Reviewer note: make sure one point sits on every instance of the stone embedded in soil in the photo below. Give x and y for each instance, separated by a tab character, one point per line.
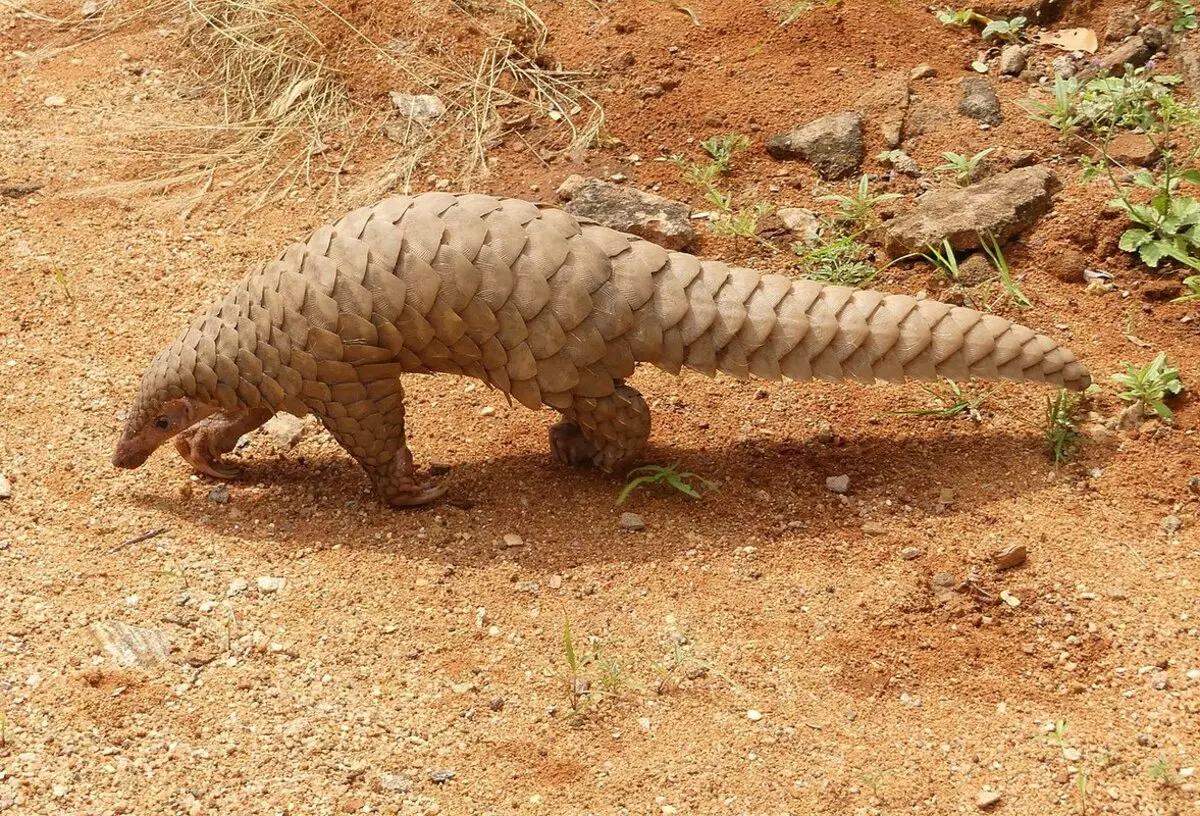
1185	51
422	108
1122	22
1171	525
632	522
802	223
268	583
987	799
5	487
18	190
1133	149
832	144
884	105
513	540
922	71
754	715
1013	59
131	645
902	163
1068	265
975	269
55	101
219	494
924	117
1135	52
1001	206
441	777
625	209
910	553
979	101
284	431
1010	557
236	587
1036	11
1064	66
838	484
1193	484
943	584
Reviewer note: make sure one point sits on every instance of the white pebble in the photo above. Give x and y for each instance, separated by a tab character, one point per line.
754	715
269	583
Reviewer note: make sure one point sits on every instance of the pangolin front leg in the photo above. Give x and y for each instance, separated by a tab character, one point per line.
203	444
608	432
371	430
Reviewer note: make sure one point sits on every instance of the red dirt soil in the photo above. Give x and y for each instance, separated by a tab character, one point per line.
810	667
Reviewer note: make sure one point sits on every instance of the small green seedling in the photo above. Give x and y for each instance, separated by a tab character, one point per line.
1185	14
1061	433
657	474
1006	30
1015	296
1061	114
959	17
1192	284
1150	385
840	261
858	208
952	401
963	167
1059	735
944	260
722	149
1160	771
742	223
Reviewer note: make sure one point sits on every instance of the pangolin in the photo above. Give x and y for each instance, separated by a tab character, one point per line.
548	308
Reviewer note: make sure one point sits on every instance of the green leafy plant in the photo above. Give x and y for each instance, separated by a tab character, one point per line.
1061	433
1192	284
1058	736
1005	30
1015	296
740	223
1169	225
609	676
1061	113
1184	11
1161	771
951	401
722	149
1133	100
959	17
963	167
840	261
1150	385
858	208
657	474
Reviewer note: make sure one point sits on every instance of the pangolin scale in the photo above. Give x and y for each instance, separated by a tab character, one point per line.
548	308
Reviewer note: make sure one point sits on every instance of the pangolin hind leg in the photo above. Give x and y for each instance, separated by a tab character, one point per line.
203	444
369	424
608	432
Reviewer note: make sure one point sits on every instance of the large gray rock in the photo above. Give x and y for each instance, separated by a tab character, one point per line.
625	209
979	101
1136	51
832	144
1002	206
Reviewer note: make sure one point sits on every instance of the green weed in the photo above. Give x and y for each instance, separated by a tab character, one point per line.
841	261
1061	113
944	260
1192	284
858	208
1160	771
1015	296
1150	385
1061	433
1169	225
1185	14
1005	30
951	401
657	474
1058	736
959	17
963	167
798	8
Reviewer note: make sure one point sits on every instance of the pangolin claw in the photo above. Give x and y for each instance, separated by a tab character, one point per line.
194	453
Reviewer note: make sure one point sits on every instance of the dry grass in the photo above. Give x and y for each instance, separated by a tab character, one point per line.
281	102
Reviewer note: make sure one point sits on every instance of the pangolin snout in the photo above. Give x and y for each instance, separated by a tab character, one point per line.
127	457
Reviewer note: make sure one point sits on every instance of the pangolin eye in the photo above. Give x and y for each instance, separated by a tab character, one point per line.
162	422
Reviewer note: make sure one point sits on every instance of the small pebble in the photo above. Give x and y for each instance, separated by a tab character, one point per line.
496	703
874	528
441	777
838	484
487	410
5	487
1193	675
513	540
1193	484
555	582
1159	681
1009	557
55	101
236	587
987	799
632	522
754	715
1072	754
910	553
219	494
1171	525
268	583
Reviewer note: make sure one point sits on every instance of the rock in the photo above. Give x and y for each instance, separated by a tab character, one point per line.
922	71
1193	485
632	522
513	540
1067	264
441	777
1064	66
496	703
626	209
1072	754
236	587
975	269
89	9
1014	555
55	101
923	117
902	163
910	553
979	101
943	584
423	109
527	587
1171	525
1160	681
5	487
18	190
394	782
832	144
219	494
1012	157
1013	59
268	584
1036	11
987	799
1134	52
802	223
649	91
1193	675
1134	149
838	484
131	645
1122	23
874	528
1185	51
754	715
885	103
284	431
1002	206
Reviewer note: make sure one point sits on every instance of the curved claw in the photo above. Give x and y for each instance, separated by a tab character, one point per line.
570	446
196	453
415	495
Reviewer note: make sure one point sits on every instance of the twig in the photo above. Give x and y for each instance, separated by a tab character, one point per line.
140	539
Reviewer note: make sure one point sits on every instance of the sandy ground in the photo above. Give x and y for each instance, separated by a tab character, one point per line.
773	648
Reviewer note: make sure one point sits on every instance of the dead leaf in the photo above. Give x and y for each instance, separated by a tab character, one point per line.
1069	39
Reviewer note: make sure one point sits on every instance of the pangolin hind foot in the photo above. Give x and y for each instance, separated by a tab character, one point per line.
547	308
